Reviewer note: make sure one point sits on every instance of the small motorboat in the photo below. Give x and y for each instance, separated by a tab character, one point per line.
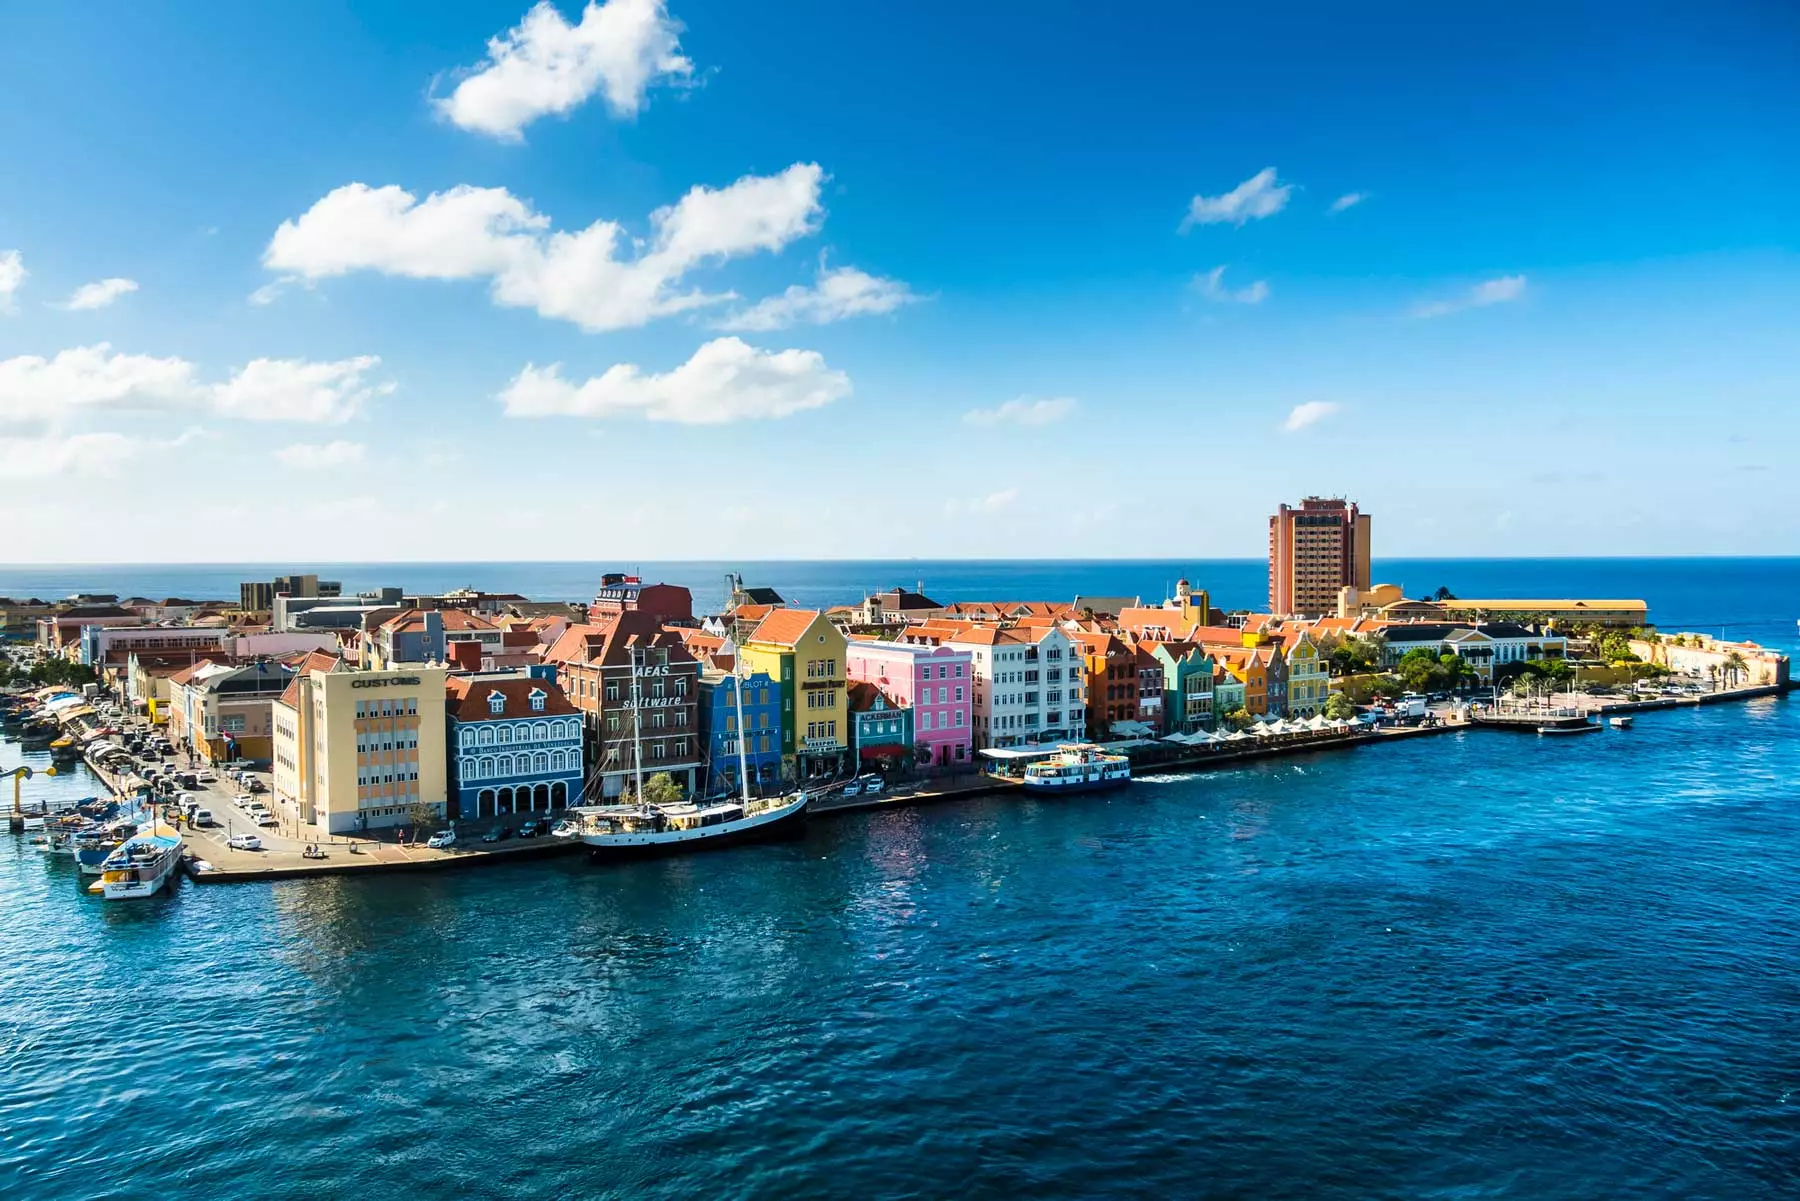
1619	723
1582	727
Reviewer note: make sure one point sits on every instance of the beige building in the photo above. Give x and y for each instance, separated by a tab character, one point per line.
357	750
1315	550
1727	664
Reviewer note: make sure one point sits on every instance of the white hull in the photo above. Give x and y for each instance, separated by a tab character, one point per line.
650	842
129	877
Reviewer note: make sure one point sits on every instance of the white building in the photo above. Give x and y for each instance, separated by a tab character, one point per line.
1027	684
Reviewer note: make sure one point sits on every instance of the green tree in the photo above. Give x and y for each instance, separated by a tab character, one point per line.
1443	594
661	789
1237	719
1339	707
1735	668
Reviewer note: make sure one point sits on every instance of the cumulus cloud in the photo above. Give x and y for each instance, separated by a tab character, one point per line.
321	456
99	294
1262	195
1493	291
488	233
53	455
726	380
1023	412
545	66
1348	200
87	378
1211	285
1308	414
839	293
12	278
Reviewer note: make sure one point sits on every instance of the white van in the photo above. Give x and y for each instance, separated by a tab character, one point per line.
202	817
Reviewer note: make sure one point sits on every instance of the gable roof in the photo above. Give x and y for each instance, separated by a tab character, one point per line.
469	698
784	627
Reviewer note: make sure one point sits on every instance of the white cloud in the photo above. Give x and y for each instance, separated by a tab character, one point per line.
321	456
840	293
270	292
1310	413
99	294
1493	291
1348	200
1212	286
54	455
487	233
12	278
725	380
298	390
1259	196
36	389
546	65
1023	412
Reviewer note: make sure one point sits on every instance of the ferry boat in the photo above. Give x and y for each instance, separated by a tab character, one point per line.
139	866
94	847
1078	769
642	830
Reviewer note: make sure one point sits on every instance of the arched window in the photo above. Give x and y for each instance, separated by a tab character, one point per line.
505	733
485	770
484	804
504	764
486	736
506	801
567	729
540	796
468	738
540	763
541	731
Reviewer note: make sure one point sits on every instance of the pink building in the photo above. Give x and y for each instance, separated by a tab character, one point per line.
934	681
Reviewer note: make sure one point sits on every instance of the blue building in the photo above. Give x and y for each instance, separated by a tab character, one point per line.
719	731
514	745
881	728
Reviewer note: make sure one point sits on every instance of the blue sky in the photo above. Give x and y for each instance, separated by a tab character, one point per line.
952	287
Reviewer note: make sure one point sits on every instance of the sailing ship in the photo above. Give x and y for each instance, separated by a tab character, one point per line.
643	830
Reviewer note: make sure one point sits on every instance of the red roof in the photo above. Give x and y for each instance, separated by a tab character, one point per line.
784	627
470	698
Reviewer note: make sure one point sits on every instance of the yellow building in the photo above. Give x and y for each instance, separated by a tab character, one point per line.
358	750
1309	676
805	653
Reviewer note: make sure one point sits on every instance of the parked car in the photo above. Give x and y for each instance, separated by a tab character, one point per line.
244	842
265	818
498	835
530	828
871	784
442	839
255	785
853	788
206	777
242	798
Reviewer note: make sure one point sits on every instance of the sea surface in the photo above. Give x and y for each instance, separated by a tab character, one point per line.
1479	965
1746	598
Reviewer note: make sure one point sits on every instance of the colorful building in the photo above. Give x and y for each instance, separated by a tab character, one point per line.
1187	684
806	656
1308	675
1228	693
881	728
760	731
220	712
359	750
935	683
1028	682
515	745
639	689
1113	683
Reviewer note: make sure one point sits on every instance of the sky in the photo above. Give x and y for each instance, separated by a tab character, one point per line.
643	281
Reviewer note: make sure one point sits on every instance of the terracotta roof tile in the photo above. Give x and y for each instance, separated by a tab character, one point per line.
784	627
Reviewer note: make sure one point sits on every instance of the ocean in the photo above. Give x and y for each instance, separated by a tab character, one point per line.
1482	964
1746	598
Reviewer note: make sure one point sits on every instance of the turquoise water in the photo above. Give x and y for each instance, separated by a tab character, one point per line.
1479	965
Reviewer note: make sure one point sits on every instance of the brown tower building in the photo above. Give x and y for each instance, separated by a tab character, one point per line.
1314	550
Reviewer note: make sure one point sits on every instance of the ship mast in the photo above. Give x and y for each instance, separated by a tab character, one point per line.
637	741
737	691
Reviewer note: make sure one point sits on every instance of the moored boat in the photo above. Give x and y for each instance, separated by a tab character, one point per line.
1580	727
632	831
1619	723
139	866
1077	769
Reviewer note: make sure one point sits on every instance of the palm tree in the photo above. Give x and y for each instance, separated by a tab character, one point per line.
1735	666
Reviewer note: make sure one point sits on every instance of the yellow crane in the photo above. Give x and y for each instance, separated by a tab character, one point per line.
19	775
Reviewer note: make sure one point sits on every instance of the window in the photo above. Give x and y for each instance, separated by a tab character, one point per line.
537	700
506	734
412	706
959	692
612	690
943	695
496	702
959	719
925	720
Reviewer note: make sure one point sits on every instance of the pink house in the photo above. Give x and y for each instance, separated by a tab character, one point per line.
934	681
